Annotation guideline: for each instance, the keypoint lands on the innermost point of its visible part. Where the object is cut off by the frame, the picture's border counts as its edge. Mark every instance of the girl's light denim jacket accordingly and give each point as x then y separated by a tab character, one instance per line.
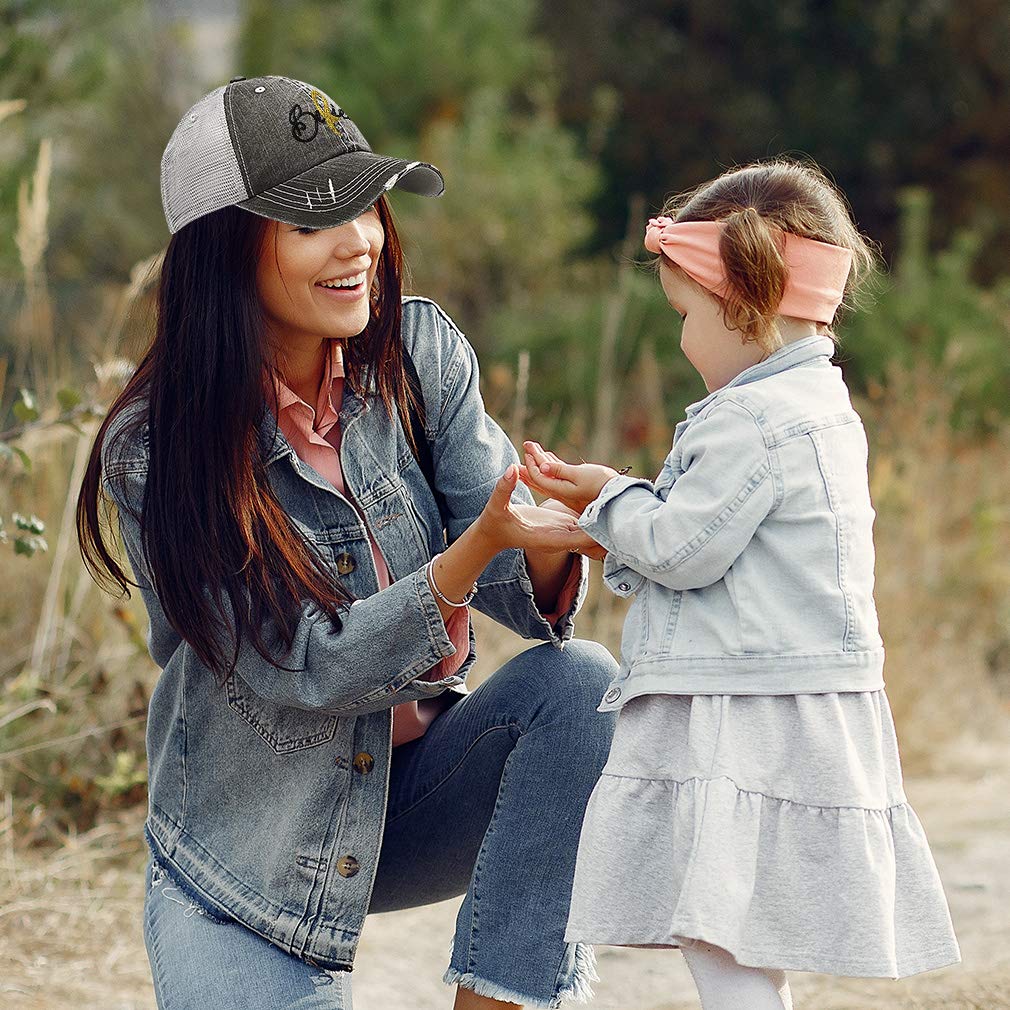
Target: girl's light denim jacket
267	798
751	555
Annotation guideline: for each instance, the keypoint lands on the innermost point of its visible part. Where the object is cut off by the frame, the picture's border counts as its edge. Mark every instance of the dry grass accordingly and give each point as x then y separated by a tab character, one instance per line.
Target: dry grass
943	571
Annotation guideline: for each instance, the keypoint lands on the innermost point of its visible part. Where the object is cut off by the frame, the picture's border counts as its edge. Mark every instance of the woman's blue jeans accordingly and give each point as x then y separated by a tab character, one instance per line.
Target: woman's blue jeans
489	802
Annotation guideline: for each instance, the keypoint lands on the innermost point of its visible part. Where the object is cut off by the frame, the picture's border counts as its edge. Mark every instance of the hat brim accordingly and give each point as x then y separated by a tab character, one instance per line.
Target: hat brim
341	189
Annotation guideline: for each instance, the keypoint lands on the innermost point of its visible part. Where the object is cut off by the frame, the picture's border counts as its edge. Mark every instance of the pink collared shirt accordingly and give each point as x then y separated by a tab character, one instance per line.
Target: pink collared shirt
314	434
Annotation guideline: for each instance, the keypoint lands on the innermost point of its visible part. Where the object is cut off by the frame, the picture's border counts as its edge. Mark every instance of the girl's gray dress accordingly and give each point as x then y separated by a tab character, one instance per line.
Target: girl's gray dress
773	826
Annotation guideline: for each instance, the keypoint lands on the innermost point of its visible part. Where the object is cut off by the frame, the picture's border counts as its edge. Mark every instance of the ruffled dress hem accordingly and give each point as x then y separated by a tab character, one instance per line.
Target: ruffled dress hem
754	957
663	861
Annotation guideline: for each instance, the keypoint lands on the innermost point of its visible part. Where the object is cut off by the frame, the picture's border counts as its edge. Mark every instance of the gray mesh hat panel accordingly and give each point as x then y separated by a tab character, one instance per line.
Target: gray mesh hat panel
282	149
199	170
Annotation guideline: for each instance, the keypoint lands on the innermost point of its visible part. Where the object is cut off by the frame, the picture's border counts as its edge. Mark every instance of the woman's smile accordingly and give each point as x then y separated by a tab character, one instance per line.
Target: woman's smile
348	288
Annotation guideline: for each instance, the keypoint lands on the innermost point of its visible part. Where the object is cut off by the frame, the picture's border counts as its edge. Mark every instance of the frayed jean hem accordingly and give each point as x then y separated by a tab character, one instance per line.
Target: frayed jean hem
574	986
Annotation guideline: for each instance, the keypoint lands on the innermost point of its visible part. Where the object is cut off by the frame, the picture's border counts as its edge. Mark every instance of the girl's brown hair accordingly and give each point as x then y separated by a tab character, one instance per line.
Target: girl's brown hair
757	203
223	553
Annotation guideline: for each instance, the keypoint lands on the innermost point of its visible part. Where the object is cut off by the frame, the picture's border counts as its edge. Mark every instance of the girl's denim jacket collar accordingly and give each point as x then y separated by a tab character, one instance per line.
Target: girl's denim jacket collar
797	353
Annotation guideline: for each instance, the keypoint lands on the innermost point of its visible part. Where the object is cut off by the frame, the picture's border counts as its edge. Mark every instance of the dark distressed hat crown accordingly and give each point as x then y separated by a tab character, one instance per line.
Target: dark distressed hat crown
282	149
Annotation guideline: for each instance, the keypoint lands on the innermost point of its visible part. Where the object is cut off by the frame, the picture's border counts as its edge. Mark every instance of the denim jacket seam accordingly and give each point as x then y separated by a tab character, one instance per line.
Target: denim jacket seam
123	467
433	621
798	431
218	867
840	548
449	370
755	657
739	399
453	372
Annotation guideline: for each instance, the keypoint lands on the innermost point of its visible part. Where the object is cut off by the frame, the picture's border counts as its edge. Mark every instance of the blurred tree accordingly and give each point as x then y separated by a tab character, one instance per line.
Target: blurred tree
97	79
930	312
883	95
473	92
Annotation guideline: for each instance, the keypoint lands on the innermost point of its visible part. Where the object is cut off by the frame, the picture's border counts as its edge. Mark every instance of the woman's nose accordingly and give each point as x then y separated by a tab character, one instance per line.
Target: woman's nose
350	240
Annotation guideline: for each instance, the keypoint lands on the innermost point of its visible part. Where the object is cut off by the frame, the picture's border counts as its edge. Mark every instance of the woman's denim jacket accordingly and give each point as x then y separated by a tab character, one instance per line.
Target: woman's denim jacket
267	798
751	556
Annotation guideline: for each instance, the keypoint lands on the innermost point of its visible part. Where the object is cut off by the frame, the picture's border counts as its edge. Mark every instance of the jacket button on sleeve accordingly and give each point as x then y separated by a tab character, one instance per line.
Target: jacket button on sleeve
345	563
612	695
624	587
363	762
347	866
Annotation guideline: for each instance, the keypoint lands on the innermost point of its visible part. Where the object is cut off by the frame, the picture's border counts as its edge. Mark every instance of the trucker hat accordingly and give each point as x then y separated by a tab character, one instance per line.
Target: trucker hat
282	149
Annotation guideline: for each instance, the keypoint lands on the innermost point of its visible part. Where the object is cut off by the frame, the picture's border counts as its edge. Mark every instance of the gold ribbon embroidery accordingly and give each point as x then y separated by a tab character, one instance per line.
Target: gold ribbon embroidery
322	105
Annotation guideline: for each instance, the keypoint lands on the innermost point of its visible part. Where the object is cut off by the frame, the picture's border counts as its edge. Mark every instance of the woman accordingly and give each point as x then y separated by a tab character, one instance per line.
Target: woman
309	492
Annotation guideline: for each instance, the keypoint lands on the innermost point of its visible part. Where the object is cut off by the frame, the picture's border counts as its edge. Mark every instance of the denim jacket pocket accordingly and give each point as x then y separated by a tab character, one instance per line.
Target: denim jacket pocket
285	729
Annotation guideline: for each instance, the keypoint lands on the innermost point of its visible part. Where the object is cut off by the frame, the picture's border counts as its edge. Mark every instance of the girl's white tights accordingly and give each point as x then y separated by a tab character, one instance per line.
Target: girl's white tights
725	985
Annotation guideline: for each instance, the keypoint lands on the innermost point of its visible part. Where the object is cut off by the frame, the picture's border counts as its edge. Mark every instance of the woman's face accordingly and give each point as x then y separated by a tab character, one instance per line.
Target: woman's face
314	285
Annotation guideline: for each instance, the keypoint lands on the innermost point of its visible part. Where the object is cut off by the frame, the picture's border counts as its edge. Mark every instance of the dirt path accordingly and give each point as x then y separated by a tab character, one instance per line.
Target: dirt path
70	937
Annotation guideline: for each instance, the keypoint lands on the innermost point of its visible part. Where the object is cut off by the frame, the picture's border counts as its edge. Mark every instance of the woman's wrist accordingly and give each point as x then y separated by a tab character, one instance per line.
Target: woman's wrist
488	539
457	568
548	572
433	585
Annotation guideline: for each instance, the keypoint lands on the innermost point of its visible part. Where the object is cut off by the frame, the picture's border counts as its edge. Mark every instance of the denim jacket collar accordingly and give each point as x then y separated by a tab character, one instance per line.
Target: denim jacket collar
273	444
797	353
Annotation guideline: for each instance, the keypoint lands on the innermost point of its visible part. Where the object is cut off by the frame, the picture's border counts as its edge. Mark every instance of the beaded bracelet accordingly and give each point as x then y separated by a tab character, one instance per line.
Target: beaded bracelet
430	574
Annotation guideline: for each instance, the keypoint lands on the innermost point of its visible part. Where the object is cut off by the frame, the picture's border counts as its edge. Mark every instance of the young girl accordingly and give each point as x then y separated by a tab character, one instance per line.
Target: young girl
751	811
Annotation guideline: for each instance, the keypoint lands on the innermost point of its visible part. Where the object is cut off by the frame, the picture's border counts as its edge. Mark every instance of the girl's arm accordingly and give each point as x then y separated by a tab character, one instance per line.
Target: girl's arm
688	536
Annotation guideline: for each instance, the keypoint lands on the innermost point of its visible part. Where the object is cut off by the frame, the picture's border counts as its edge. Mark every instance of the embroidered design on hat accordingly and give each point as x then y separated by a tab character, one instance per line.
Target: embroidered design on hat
305	122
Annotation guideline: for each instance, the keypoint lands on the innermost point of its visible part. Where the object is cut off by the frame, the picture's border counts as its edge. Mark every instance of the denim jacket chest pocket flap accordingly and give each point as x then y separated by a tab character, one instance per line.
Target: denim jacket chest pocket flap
283	728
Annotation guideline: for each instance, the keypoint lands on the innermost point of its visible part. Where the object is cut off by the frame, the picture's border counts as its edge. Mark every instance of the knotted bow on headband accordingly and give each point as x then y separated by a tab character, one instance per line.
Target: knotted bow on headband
817	271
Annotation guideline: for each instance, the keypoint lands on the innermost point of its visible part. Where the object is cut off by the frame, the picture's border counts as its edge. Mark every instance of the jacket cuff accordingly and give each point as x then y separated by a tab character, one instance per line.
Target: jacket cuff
439	638
619	578
593	519
458	629
560	628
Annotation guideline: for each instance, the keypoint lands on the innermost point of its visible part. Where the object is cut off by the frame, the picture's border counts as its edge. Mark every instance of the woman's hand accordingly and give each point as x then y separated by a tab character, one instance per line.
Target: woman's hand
504	524
592	549
573	484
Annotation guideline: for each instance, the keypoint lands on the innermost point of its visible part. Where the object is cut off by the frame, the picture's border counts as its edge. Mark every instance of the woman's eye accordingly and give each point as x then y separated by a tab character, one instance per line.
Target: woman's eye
305	230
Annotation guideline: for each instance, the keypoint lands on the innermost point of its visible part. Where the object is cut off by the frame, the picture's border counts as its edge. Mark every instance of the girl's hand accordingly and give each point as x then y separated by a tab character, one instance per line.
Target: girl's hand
592	549
504	523
573	484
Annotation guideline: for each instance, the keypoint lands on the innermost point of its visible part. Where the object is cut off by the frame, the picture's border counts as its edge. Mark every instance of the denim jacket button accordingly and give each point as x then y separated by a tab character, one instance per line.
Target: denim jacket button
613	694
345	563
624	587
347	866
363	762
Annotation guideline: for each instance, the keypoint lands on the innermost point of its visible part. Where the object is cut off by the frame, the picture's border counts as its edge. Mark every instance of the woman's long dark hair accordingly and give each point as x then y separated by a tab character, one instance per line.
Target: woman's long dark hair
222	552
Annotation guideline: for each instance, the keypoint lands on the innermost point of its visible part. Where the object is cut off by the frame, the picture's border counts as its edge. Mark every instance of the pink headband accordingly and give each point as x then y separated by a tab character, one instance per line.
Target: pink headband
817	273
